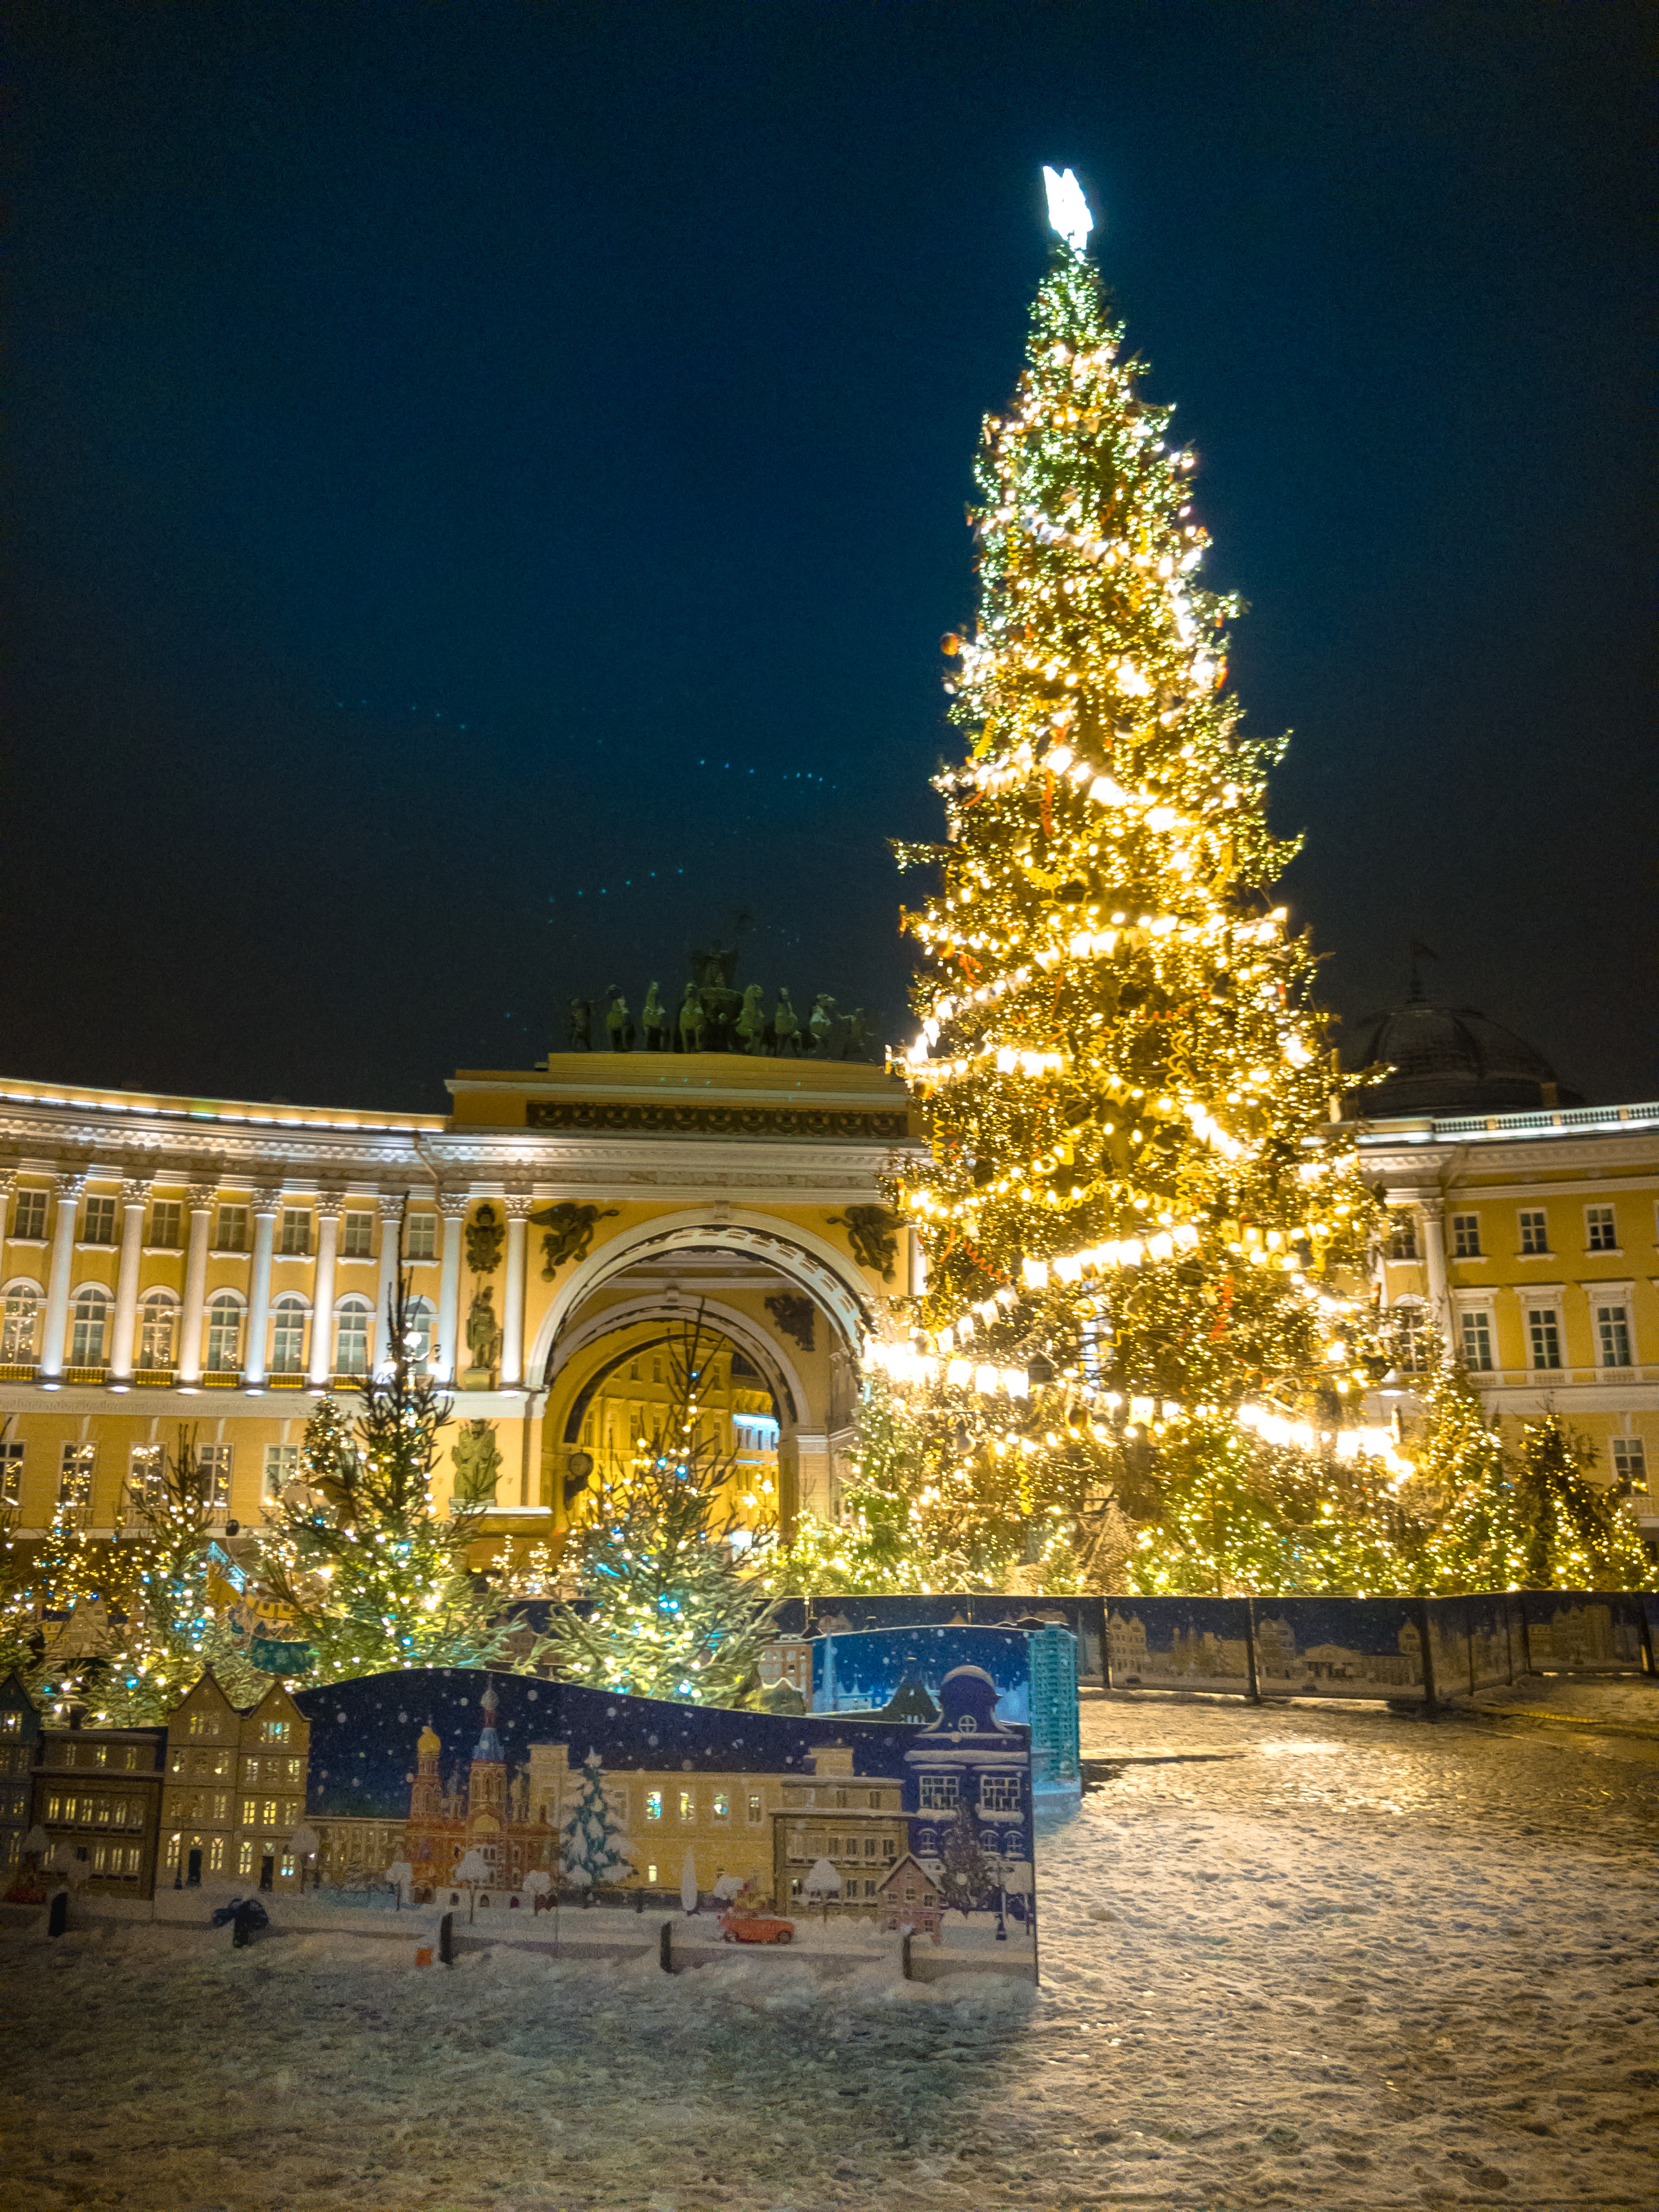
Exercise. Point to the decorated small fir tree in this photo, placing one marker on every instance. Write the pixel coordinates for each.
(594, 1846)
(371, 1572)
(966, 1879)
(676, 1611)
(1137, 1215)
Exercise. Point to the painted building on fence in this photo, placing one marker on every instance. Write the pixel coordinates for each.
(172, 1260)
(1526, 1232)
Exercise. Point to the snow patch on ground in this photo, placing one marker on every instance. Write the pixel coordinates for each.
(1327, 1959)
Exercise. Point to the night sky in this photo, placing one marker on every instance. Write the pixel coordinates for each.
(485, 487)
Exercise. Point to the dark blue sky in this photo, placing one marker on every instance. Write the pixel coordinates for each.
(466, 456)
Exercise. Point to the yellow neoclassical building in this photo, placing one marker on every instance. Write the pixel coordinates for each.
(1525, 1233)
(222, 1264)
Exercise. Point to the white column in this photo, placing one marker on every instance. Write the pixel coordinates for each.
(1434, 1262)
(134, 1196)
(53, 1329)
(452, 1205)
(322, 1298)
(518, 1203)
(266, 1206)
(201, 1196)
(392, 1214)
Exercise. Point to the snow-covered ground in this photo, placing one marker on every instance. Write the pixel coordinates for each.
(1316, 1957)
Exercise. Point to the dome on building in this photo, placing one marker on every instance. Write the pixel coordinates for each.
(1447, 1059)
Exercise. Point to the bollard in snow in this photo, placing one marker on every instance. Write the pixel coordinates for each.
(447, 1939)
(904, 1954)
(57, 1912)
(665, 1947)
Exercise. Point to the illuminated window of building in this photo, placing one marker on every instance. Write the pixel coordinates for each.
(30, 1225)
(1543, 1333)
(421, 1324)
(1409, 1325)
(653, 1804)
(688, 1804)
(1466, 1235)
(1535, 1233)
(356, 1236)
(75, 1475)
(216, 1854)
(20, 1317)
(158, 1318)
(756, 1809)
(203, 1723)
(1630, 1467)
(1601, 1232)
(11, 1724)
(288, 1336)
(722, 1809)
(90, 1318)
(1613, 1327)
(245, 1857)
(289, 1865)
(224, 1332)
(213, 1462)
(1402, 1236)
(275, 1732)
(175, 1843)
(270, 1820)
(421, 1236)
(651, 1874)
(1477, 1341)
(11, 1492)
(351, 1337)
(99, 1227)
(282, 1468)
(232, 1232)
(296, 1231)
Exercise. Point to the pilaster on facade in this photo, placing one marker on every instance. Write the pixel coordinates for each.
(329, 1207)
(453, 1206)
(55, 1321)
(198, 1197)
(135, 1199)
(392, 1208)
(517, 1206)
(267, 1203)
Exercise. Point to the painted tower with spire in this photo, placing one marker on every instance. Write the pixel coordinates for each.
(486, 1814)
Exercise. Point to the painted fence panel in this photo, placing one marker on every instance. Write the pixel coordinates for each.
(1084, 1616)
(1340, 1647)
(1179, 1644)
(1583, 1631)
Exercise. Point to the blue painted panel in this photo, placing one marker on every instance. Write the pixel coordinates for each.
(1178, 1643)
(1341, 1647)
(1583, 1631)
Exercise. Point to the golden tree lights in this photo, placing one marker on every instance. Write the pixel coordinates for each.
(1138, 1217)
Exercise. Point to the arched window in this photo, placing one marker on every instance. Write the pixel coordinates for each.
(420, 1320)
(352, 1317)
(224, 1332)
(20, 1317)
(288, 1336)
(158, 1322)
(87, 1335)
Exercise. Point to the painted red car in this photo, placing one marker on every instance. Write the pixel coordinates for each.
(737, 1927)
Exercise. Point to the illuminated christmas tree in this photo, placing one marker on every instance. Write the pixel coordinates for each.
(1576, 1534)
(1140, 1222)
(677, 1610)
(373, 1574)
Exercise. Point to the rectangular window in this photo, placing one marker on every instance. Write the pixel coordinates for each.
(233, 1229)
(75, 1475)
(1477, 1342)
(651, 1874)
(1402, 1236)
(18, 1317)
(1544, 1333)
(271, 1813)
(939, 1793)
(282, 1468)
(216, 1854)
(356, 1236)
(296, 1231)
(756, 1809)
(245, 1857)
(351, 1340)
(87, 1320)
(421, 1236)
(688, 1804)
(224, 1352)
(1411, 1340)
(146, 1475)
(1599, 1230)
(165, 1217)
(653, 1804)
(214, 1463)
(1630, 1467)
(870, 1846)
(31, 1218)
(11, 1492)
(275, 1732)
(1466, 1235)
(99, 1228)
(999, 1793)
(1535, 1234)
(722, 1805)
(1613, 1327)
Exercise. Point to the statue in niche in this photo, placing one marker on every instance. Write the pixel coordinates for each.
(485, 1235)
(786, 1026)
(652, 1020)
(569, 1232)
(619, 1023)
(692, 1021)
(751, 1021)
(483, 1341)
(794, 1317)
(872, 1232)
(821, 1025)
(578, 1025)
(478, 1461)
